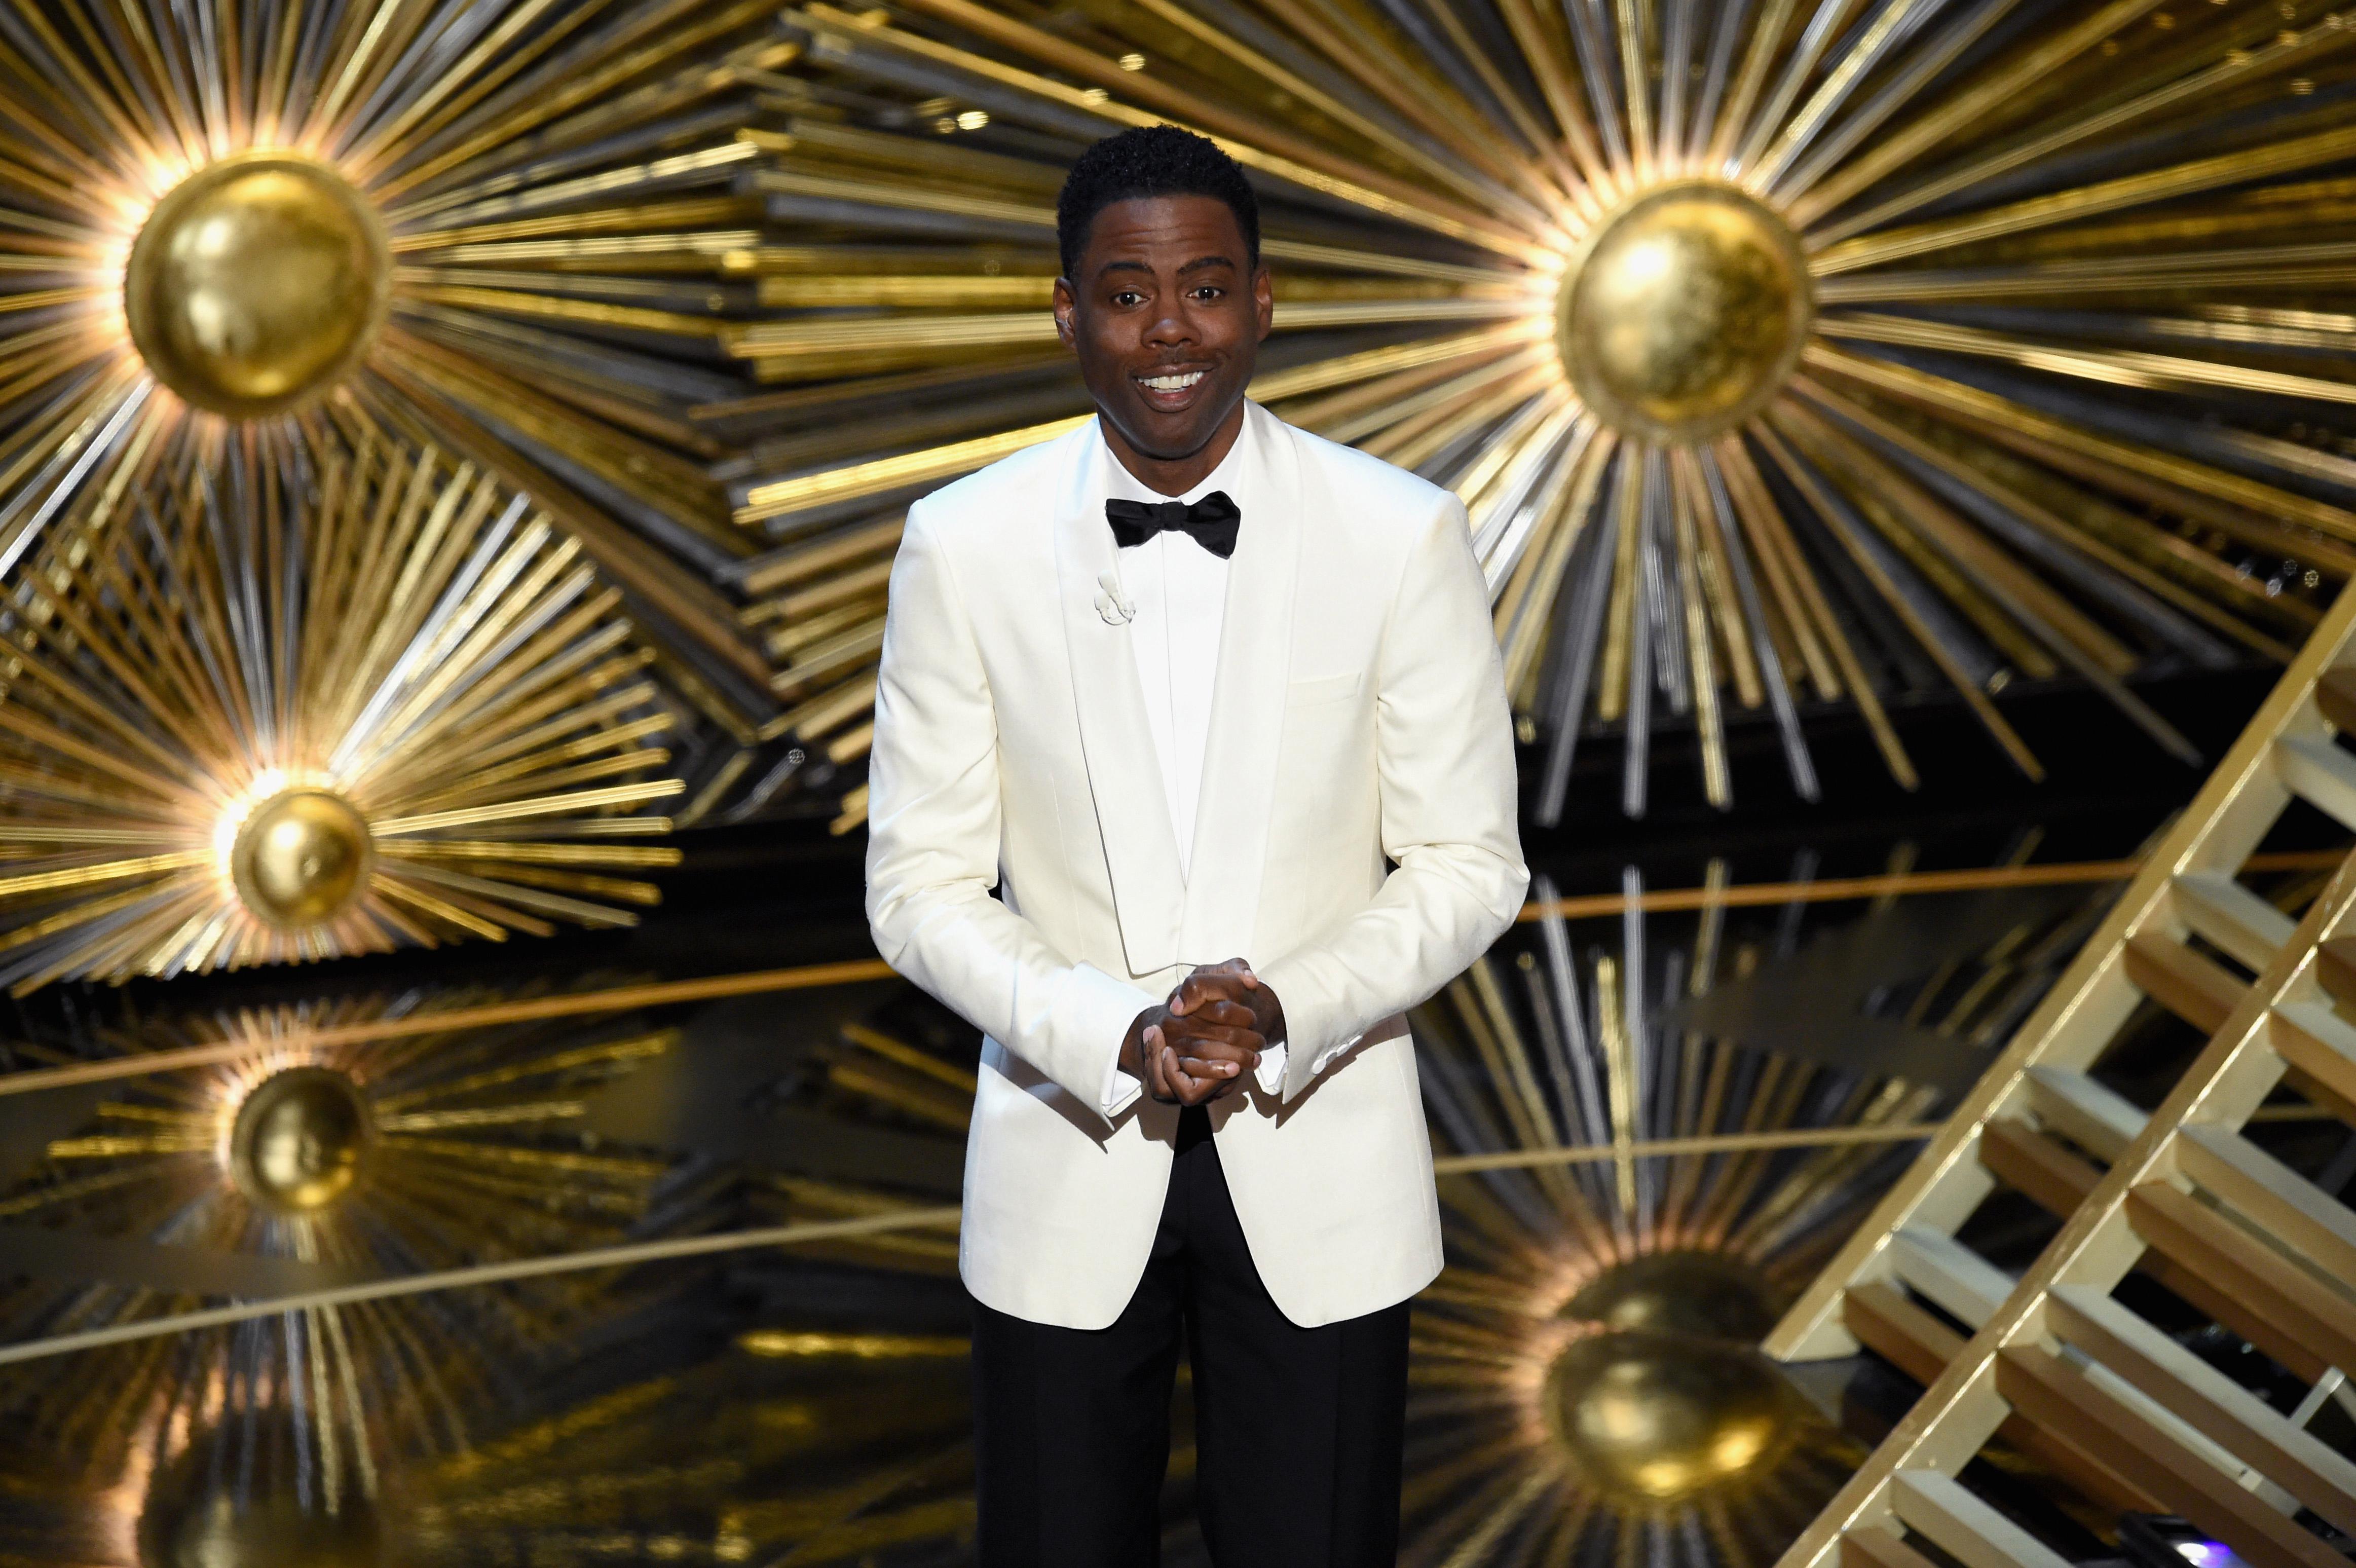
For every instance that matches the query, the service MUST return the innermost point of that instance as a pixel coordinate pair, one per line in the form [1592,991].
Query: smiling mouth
[1179,381]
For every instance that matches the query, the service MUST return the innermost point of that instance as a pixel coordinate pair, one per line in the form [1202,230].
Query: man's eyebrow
[1196,265]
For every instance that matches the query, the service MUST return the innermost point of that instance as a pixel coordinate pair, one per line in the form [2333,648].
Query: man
[1178,685]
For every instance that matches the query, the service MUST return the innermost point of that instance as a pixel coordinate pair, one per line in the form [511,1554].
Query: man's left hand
[1232,981]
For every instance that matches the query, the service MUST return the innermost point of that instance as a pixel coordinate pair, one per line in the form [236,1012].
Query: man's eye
[1127,297]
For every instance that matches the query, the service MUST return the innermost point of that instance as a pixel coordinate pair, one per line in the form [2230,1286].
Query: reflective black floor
[510,1255]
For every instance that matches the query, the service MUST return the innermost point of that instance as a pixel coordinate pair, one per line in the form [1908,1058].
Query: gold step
[2101,1399]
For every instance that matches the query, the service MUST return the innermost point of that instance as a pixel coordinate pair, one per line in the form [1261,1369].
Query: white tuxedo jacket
[1354,840]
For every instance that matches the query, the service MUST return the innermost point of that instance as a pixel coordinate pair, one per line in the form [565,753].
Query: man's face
[1166,314]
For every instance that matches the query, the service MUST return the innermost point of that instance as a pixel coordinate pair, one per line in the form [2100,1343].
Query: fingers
[1199,1089]
[1203,988]
[1193,1082]
[1207,1081]
[1150,1052]
[1221,1010]
[1162,1079]
[1225,978]
[1215,1025]
[1221,1064]
[1234,1045]
[1168,1080]
[1207,1042]
[1219,1015]
[1224,1053]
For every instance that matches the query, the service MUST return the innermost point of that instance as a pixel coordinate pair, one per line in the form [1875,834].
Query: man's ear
[1065,301]
[1263,299]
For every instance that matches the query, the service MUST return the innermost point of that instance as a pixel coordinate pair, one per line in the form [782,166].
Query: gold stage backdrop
[435,434]
[1786,352]
[252,722]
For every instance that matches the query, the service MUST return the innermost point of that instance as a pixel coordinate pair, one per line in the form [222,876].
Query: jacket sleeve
[932,841]
[1444,749]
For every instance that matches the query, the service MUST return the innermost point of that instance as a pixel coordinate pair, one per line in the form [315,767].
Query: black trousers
[1298,1431]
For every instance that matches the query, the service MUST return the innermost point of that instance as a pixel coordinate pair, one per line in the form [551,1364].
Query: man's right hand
[1191,1057]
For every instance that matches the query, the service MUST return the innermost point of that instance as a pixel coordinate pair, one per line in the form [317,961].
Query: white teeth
[1173,384]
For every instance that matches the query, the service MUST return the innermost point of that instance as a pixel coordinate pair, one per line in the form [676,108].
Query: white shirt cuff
[1120,1087]
[1097,1008]
[1271,1069]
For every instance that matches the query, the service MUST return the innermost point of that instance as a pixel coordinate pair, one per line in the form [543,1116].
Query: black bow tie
[1212,522]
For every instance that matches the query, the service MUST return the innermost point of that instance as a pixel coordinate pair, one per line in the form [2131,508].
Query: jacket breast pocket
[1321,689]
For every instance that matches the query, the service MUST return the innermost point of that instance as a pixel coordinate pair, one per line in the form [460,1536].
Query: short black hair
[1150,160]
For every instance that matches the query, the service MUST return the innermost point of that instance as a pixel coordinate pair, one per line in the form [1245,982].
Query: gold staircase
[2055,1366]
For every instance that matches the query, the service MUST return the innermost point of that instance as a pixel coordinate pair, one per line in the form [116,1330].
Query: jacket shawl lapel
[1132,817]
[1248,699]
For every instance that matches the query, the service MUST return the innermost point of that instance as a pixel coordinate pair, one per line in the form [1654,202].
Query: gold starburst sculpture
[1836,352]
[305,1165]
[1785,352]
[271,713]
[402,217]
[225,223]
[234,214]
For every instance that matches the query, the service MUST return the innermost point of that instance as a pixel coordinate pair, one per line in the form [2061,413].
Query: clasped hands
[1198,1045]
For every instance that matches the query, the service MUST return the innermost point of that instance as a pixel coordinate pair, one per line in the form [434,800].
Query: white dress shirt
[1176,591]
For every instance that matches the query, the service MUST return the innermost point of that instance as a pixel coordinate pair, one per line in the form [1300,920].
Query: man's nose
[1171,327]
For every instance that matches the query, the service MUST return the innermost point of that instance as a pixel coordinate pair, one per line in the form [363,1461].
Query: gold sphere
[256,281]
[1702,1294]
[1682,312]
[1655,1418]
[301,858]
[299,1139]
